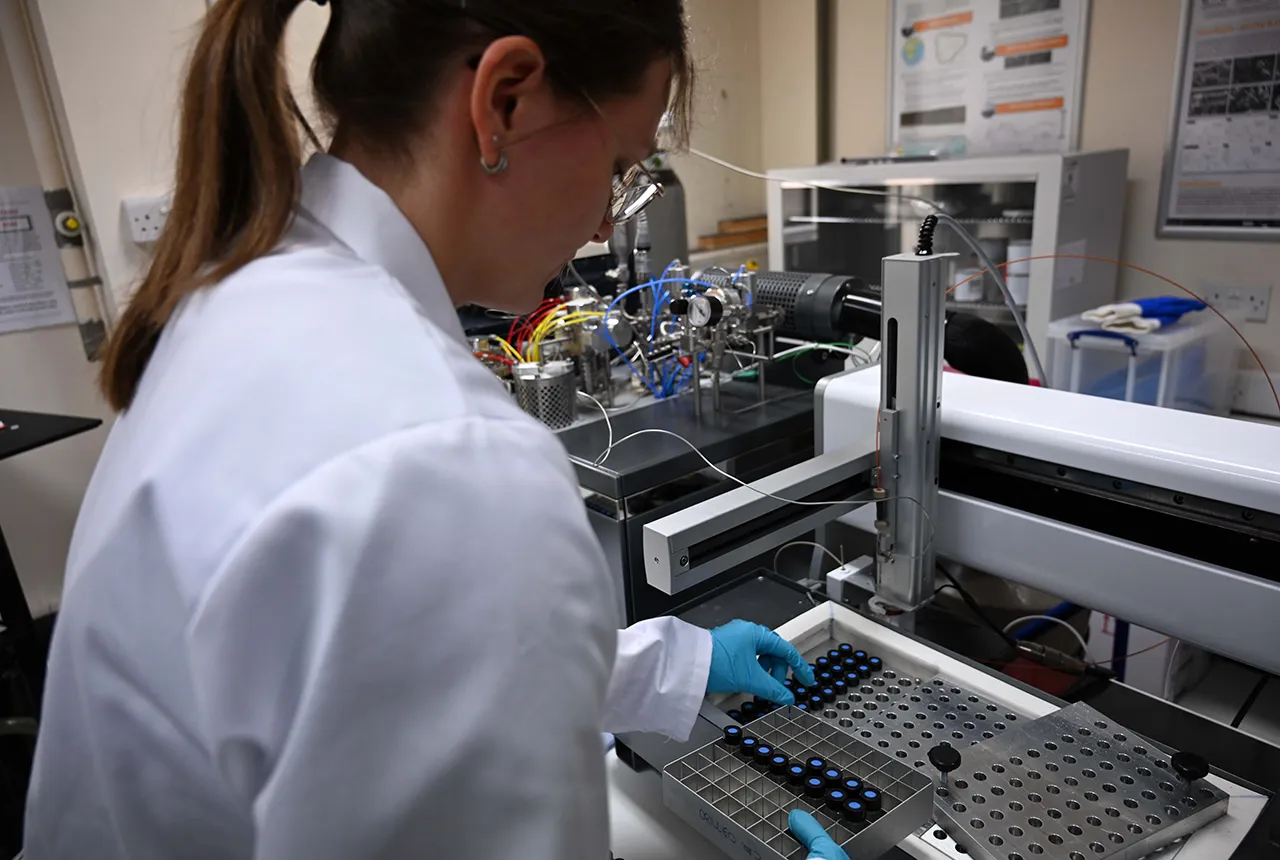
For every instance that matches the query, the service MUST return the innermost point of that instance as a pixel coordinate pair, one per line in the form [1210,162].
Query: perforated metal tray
[1071,785]
[745,810]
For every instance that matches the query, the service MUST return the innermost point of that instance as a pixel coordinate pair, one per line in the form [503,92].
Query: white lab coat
[331,594]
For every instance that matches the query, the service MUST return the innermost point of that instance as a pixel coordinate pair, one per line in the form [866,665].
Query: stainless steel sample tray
[743,809]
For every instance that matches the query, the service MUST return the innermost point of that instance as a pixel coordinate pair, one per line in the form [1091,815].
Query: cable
[1168,672]
[932,529]
[1084,646]
[818,186]
[841,348]
[607,423]
[1156,275]
[493,356]
[976,609]
[1159,644]
[1253,697]
[787,546]
[997,274]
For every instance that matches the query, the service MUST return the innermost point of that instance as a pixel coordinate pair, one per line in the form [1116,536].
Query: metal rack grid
[717,791]
[1071,785]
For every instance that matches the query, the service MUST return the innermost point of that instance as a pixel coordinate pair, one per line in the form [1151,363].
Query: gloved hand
[748,658]
[811,835]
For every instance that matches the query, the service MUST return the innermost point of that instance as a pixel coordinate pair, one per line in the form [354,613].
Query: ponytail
[237,177]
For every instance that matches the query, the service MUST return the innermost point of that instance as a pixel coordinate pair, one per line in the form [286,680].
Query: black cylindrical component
[802,707]
[825,679]
[760,758]
[836,799]
[1190,766]
[876,664]
[854,811]
[814,787]
[832,777]
[747,746]
[795,773]
[859,312]
[749,710]
[790,684]
[816,702]
[821,664]
[853,785]
[864,671]
[860,656]
[734,715]
[733,736]
[841,688]
[850,665]
[870,798]
[834,654]
[812,305]
[837,670]
[815,765]
[778,764]
[945,758]
[828,694]
[846,650]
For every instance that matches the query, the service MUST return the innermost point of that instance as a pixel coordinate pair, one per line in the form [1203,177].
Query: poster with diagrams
[1222,168]
[985,77]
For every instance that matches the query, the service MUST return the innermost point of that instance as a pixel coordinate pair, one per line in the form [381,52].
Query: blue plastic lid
[822,661]
[733,730]
[869,793]
[816,762]
[825,677]
[876,661]
[853,805]
[836,794]
[762,750]
[800,691]
[853,784]
[831,773]
[846,647]
[781,759]
[826,690]
[749,742]
[734,715]
[816,701]
[840,686]
[864,667]
[860,654]
[796,768]
[814,781]
[802,707]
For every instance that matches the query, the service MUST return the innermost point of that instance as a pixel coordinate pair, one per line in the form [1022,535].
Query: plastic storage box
[1190,365]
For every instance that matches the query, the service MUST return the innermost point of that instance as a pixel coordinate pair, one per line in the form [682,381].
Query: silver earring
[495,169]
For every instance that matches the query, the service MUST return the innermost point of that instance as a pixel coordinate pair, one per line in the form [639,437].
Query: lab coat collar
[362,217]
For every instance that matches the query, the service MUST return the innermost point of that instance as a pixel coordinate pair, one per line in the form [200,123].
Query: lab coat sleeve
[659,679]
[399,661]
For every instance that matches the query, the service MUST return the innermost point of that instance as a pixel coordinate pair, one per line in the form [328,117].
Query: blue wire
[609,337]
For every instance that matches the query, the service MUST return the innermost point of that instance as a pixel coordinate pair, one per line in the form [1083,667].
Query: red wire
[495,357]
[548,307]
[1156,275]
[517,324]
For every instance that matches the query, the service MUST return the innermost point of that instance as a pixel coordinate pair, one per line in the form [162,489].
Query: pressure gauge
[705,311]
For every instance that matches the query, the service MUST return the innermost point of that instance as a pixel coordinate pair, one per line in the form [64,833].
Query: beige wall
[1128,99]
[788,83]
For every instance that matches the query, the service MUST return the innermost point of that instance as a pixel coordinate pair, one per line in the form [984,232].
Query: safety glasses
[633,189]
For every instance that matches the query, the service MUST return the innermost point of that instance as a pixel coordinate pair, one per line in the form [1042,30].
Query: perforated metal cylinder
[548,392]
[811,303]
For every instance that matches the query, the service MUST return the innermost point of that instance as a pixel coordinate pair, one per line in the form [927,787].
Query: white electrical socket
[146,217]
[1254,302]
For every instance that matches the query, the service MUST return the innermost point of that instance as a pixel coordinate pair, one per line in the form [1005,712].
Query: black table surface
[26,431]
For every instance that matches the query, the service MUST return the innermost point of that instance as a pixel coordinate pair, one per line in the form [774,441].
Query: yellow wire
[507,348]
[548,325]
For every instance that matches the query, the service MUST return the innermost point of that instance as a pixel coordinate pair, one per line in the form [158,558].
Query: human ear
[510,97]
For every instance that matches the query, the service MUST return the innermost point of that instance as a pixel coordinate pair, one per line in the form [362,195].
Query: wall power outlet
[146,217]
[1254,302]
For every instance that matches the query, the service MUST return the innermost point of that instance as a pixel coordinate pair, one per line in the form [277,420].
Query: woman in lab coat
[331,595]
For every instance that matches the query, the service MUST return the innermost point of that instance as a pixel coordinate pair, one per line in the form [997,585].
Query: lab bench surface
[21,432]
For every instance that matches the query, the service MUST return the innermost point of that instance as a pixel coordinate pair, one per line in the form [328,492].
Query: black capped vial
[747,746]
[734,715]
[853,785]
[816,765]
[864,671]
[836,798]
[825,679]
[816,702]
[749,711]
[834,654]
[876,664]
[795,773]
[778,764]
[821,664]
[790,684]
[831,776]
[845,649]
[828,694]
[802,707]
[860,656]
[733,735]
[841,688]
[870,798]
[854,811]
[800,691]
[814,786]
[760,758]
[850,665]
[837,670]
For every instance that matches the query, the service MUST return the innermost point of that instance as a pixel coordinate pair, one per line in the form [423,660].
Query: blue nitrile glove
[811,835]
[748,658]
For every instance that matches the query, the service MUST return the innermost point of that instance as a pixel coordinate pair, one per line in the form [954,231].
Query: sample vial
[854,811]
[832,777]
[747,746]
[821,664]
[850,665]
[853,785]
[876,664]
[795,774]
[864,671]
[814,787]
[800,692]
[778,764]
[790,684]
[815,765]
[836,798]
[734,715]
[841,688]
[750,710]
[816,702]
[760,758]
[837,670]
[802,707]
[828,694]
[845,649]
[825,679]
[834,654]
[870,798]
[733,736]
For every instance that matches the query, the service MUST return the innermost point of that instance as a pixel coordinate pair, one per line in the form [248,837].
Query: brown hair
[375,74]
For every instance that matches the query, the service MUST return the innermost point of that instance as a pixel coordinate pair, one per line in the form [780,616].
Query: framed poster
[1222,160]
[986,77]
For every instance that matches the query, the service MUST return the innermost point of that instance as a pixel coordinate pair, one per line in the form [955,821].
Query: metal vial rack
[1071,785]
[744,810]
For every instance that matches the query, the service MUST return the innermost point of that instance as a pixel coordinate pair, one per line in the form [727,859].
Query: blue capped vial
[760,758]
[795,774]
[814,786]
[778,764]
[816,765]
[864,671]
[747,746]
[832,777]
[876,664]
[860,656]
[853,785]
[836,799]
[828,694]
[854,811]
[870,798]
[846,649]
[816,702]
[733,735]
